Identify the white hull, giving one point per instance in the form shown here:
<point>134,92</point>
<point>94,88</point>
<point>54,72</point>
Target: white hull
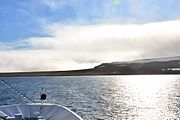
<point>37,112</point>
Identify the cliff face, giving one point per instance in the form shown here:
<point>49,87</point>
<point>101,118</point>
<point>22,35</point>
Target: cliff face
<point>146,66</point>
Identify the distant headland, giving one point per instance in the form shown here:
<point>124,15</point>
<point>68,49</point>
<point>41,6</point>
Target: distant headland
<point>168,65</point>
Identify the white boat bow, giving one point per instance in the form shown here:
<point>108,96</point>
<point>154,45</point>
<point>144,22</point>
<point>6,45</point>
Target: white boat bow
<point>37,112</point>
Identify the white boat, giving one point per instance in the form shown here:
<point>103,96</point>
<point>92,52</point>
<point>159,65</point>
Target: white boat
<point>37,112</point>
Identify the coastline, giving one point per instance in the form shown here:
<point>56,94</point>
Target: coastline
<point>84,72</point>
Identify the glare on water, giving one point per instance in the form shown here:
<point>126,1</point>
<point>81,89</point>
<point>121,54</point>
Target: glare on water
<point>149,96</point>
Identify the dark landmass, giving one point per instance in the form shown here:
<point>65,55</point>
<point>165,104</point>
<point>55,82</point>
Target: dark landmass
<point>169,65</point>
<point>49,73</point>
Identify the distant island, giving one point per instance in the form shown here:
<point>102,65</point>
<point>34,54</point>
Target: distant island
<point>168,65</point>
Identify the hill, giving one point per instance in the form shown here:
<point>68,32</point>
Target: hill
<point>168,65</point>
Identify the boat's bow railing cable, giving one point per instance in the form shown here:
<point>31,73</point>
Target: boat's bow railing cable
<point>17,91</point>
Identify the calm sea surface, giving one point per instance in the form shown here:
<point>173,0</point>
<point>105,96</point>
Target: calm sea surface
<point>155,97</point>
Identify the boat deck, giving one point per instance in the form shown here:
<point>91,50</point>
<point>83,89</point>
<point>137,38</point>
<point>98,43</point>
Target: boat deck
<point>37,112</point>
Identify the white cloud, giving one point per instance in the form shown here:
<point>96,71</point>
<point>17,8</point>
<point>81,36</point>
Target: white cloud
<point>38,60</point>
<point>108,37</point>
<point>84,46</point>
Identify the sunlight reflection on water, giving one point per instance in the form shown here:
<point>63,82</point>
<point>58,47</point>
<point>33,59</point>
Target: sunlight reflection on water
<point>150,96</point>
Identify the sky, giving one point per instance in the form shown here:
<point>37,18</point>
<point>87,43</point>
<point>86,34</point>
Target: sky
<point>38,35</point>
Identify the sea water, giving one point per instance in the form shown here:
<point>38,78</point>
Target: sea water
<point>136,97</point>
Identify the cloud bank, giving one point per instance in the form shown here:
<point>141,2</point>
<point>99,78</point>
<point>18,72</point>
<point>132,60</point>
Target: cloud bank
<point>84,46</point>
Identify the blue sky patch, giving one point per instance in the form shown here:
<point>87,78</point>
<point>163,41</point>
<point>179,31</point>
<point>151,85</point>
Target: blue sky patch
<point>21,19</point>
